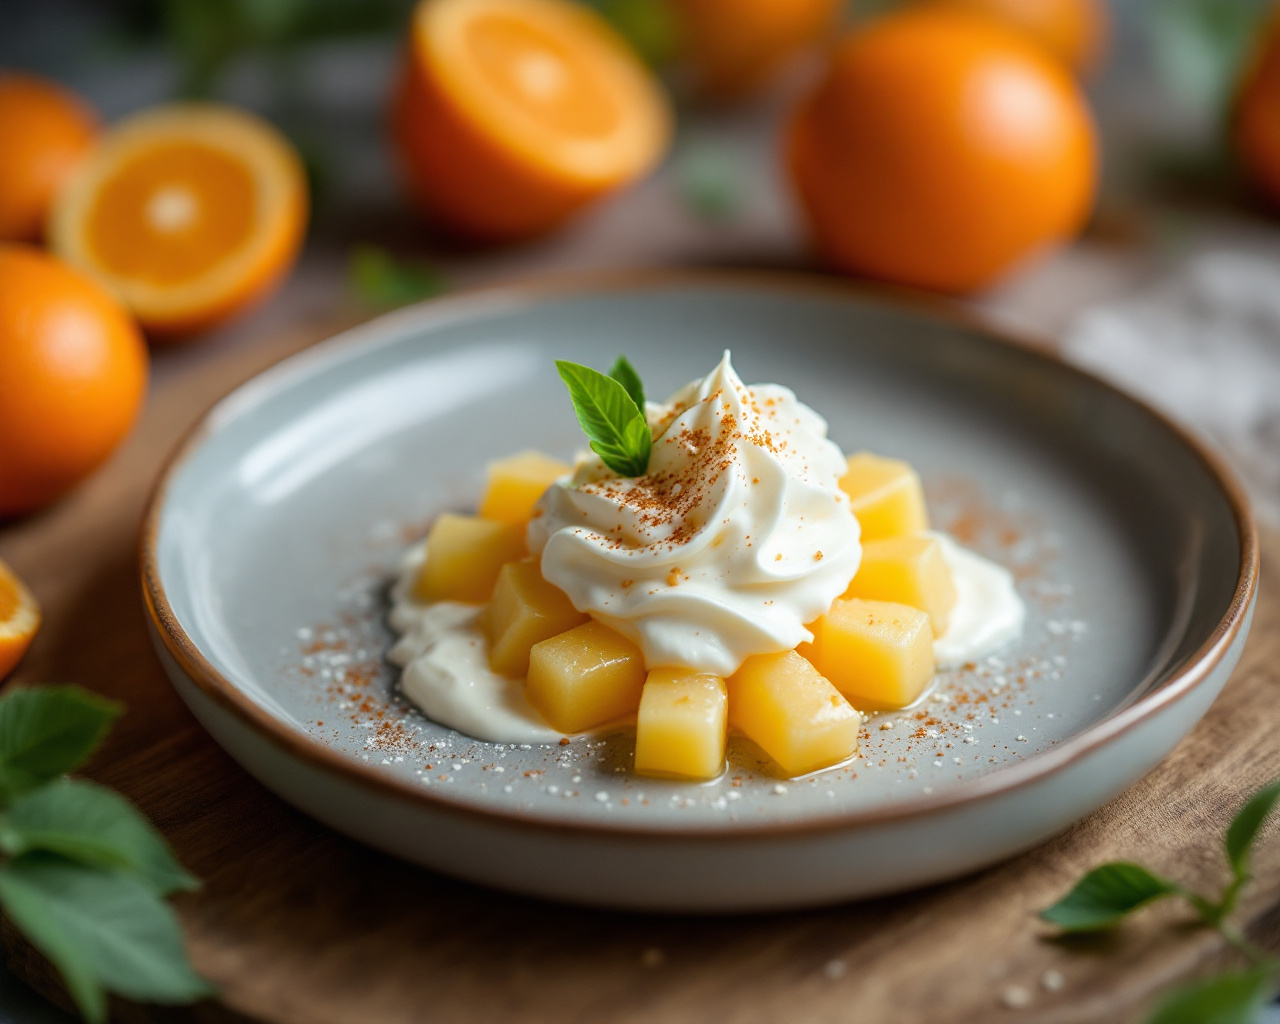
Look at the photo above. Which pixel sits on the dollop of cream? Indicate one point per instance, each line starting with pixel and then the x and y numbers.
pixel 445 662
pixel 988 612
pixel 736 537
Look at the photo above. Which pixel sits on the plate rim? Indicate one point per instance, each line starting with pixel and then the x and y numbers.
pixel 474 302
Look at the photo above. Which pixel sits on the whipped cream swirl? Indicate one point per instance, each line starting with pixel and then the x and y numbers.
pixel 736 537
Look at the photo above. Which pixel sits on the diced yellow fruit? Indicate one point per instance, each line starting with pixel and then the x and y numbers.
pixel 885 495
pixel 464 554
pixel 525 610
pixel 878 654
pixel 796 716
pixel 907 570
pixel 681 728
pixel 585 677
pixel 515 485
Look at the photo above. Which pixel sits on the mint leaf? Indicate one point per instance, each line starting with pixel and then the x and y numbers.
pixel 1231 998
pixel 610 418
pixel 625 374
pixel 104 931
pixel 1244 827
pixel 1105 895
pixel 379 279
pixel 87 823
pixel 45 732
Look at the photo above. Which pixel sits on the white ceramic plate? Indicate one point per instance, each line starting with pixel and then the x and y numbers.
pixel 275 531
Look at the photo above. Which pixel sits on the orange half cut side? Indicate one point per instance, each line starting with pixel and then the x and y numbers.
pixel 189 212
pixel 19 620
pixel 513 114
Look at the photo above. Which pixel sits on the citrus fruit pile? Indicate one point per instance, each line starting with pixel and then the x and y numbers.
pixel 188 213
pixel 943 145
pixel 167 223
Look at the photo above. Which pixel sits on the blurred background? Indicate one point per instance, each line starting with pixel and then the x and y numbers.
pixel 1160 82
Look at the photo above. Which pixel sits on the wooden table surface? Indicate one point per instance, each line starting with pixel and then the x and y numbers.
pixel 298 925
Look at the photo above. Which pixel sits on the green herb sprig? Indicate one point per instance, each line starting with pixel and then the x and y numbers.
pixel 84 874
pixel 378 279
pixel 1108 894
pixel 610 410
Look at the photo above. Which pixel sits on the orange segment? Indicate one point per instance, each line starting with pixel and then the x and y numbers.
pixel 514 114
pixel 189 212
pixel 19 620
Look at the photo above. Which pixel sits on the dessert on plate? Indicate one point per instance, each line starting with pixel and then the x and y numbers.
pixel 714 562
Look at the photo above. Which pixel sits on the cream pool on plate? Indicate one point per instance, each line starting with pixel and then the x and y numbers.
pixel 713 563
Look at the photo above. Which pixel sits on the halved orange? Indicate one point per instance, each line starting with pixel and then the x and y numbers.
pixel 189 212
pixel 19 620
pixel 512 115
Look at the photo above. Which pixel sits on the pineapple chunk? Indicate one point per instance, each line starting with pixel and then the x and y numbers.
pixel 878 654
pixel 585 677
pixel 464 554
pixel 797 717
pixel 885 495
pixel 907 570
pixel 515 485
pixel 525 610
pixel 681 728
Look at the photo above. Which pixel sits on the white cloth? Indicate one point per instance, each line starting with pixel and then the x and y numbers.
pixel 1204 346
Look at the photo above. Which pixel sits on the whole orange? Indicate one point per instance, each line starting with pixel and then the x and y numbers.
pixel 940 149
pixel 1256 127
pixel 73 373
pixel 1075 30
pixel 44 132
pixel 734 46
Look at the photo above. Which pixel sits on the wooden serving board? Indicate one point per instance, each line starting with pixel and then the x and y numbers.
pixel 298 925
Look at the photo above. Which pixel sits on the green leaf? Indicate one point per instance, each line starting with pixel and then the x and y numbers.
pixel 104 931
pixel 48 731
pixel 1105 895
pixel 610 418
pixel 625 374
pixel 1231 998
pixel 1199 48
pixel 1244 827
pixel 379 279
pixel 93 825
pixel 709 179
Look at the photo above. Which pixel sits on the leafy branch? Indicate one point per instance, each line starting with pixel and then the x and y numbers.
pixel 1110 893
pixel 84 874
